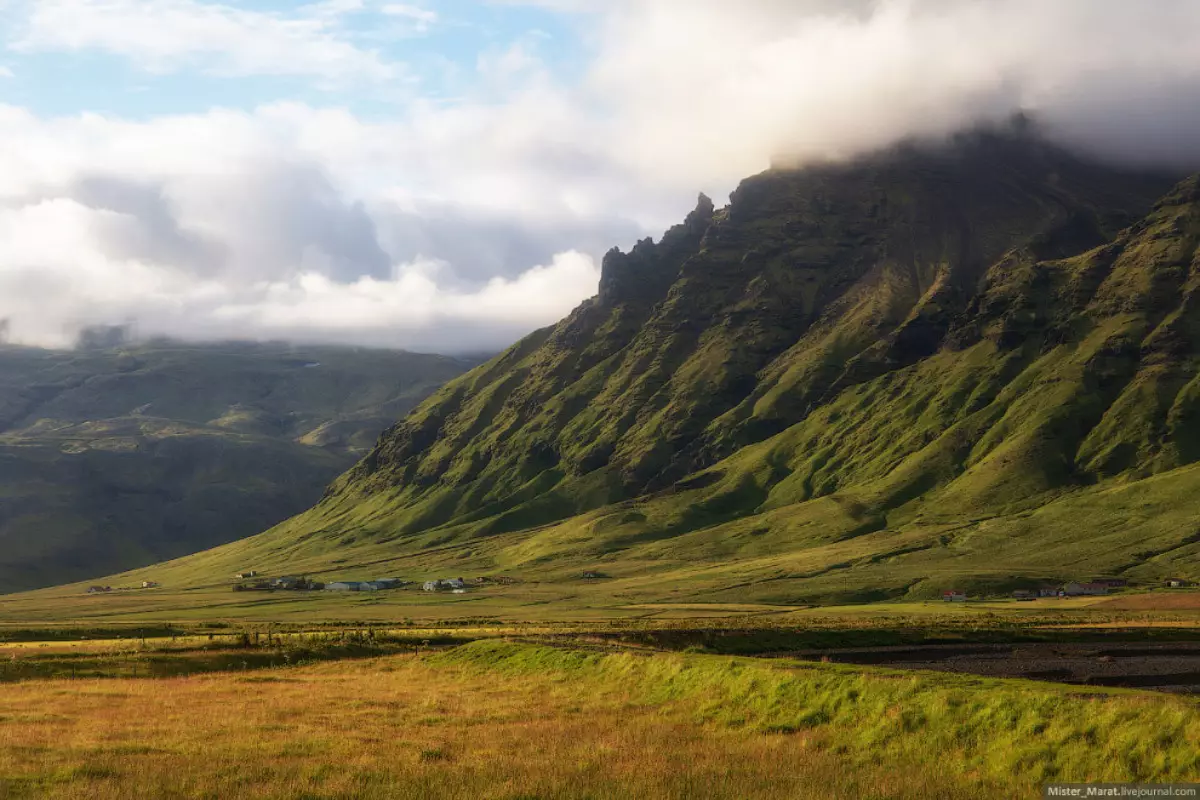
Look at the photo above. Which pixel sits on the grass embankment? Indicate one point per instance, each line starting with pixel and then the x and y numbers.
pixel 965 727
pixel 496 719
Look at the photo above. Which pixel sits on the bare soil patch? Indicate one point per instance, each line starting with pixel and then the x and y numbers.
pixel 1154 601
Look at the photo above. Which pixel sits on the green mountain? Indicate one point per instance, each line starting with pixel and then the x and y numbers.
pixel 120 457
pixel 972 365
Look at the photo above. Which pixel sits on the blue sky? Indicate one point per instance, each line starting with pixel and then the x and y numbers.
pixel 433 51
pixel 446 175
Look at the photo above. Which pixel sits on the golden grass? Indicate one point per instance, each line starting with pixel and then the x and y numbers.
pixel 403 728
pixel 497 719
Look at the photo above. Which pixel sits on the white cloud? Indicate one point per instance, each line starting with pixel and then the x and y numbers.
pixel 5 72
pixel 711 88
pixel 413 308
pixel 171 35
pixel 60 273
pixel 422 16
pixel 295 222
pixel 427 229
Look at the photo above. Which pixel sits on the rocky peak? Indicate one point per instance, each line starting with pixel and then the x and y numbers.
pixel 702 216
pixel 646 272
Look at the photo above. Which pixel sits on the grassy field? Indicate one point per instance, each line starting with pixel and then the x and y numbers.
pixel 188 596
pixel 504 719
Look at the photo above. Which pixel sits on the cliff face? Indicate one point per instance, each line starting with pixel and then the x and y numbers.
pixel 739 323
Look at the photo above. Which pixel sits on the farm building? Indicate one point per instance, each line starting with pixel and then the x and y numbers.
pixel 150 584
pixel 388 583
pixel 954 596
pixel 452 584
pixel 1025 594
pixel 250 573
pixel 1113 583
pixel 1084 589
pixel 381 584
pixel 1178 583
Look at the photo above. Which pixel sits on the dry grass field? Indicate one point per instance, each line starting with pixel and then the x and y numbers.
pixel 496 719
pixel 394 728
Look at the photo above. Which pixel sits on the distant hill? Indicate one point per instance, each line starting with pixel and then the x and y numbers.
pixel 115 458
pixel 975 366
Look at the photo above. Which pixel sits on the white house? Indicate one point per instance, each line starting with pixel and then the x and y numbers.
pixel 343 586
pixel 954 596
pixel 453 584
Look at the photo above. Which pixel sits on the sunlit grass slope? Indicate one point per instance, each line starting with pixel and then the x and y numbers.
pixel 817 551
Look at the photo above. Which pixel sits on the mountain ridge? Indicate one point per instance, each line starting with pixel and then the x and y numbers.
pixel 973 367
pixel 757 326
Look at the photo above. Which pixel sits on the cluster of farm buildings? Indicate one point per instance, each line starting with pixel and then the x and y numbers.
pixel 292 583
pixel 107 589
pixel 1074 589
pixel 460 586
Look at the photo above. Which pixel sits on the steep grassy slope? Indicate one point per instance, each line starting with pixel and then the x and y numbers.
pixel 739 323
pixel 113 459
pixel 921 370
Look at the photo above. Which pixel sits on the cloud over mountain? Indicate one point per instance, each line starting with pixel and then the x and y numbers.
pixel 701 85
pixel 459 221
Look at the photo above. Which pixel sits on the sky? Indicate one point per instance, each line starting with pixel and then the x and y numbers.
pixel 445 175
